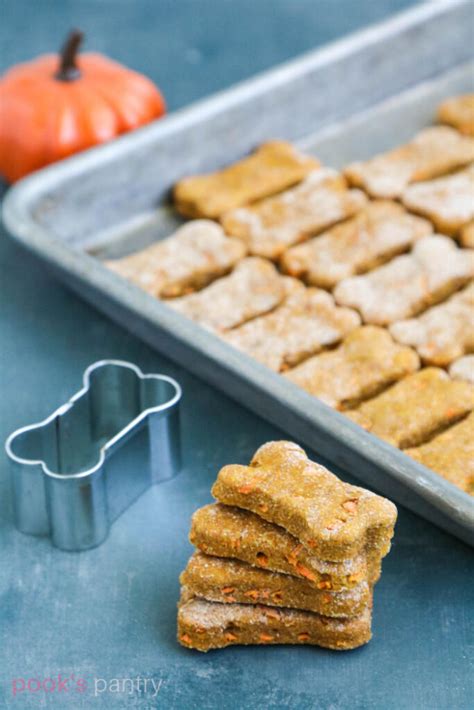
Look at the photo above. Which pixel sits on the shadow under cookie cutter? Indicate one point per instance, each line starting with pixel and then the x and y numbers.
pixel 75 472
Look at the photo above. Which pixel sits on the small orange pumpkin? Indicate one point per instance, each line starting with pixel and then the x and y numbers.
pixel 50 109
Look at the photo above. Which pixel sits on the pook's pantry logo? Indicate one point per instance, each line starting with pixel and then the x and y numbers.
pixel 71 685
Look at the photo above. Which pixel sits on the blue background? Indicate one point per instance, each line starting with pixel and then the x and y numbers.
pixel 110 613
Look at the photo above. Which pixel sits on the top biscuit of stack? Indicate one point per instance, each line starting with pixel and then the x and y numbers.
pixel 333 519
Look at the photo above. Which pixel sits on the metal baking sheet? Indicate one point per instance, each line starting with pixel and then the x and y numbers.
pixel 346 101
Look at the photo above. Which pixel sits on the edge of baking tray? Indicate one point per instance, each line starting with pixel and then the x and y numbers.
pixel 326 431
pixel 329 433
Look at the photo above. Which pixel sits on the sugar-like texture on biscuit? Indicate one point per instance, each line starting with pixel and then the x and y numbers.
pixel 270 226
pixel 447 201
pixel 458 111
pixel 433 152
pixel 303 325
pixel 273 167
pixel 451 454
pixel 228 581
pixel 442 333
pixel 333 519
pixel 366 362
pixel 204 625
pixel 416 409
pixel 188 260
pixel 380 231
pixel 253 288
pixel 408 284
pixel 463 369
pixel 226 531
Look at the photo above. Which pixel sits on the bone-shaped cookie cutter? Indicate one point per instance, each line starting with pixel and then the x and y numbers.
pixel 75 472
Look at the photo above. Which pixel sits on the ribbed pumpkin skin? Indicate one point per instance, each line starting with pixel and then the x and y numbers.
pixel 44 119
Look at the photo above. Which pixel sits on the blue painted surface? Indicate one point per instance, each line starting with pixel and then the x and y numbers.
pixel 110 613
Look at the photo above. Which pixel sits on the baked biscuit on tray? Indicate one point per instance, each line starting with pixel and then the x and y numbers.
pixel 380 231
pixel 415 409
pixel 270 226
pixel 451 454
pixel 442 333
pixel 273 167
pixel 448 201
pixel 304 324
pixel 463 369
pixel 366 362
pixel 433 152
pixel 458 111
pixel 204 625
pixel 408 284
pixel 229 581
pixel 332 519
pixel 226 531
pixel 189 259
pixel 253 288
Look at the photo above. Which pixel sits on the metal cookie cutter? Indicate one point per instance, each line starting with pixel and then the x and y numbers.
pixel 75 472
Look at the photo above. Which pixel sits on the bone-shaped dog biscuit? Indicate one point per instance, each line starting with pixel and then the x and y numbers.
pixel 231 581
pixel 433 152
pixel 367 361
pixel 189 259
pixel 417 408
pixel 451 454
pixel 448 201
pixel 380 231
pixel 253 288
pixel 273 167
pixel 303 325
pixel 442 333
pixel 404 287
pixel 204 625
pixel 272 225
pixel 226 531
pixel 331 518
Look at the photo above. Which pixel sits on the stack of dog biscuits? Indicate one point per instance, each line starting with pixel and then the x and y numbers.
pixel 288 554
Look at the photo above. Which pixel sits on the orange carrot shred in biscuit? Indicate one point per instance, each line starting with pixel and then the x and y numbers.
pixel 305 572
pixel 262 559
pixel 252 593
pixel 325 584
pixel 451 412
pixel 246 489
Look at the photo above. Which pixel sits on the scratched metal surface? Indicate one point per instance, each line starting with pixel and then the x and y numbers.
pixel 110 613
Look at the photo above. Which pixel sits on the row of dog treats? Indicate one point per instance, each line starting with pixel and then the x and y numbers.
pixel 339 281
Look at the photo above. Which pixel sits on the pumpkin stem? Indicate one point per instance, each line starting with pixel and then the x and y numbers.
pixel 68 69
